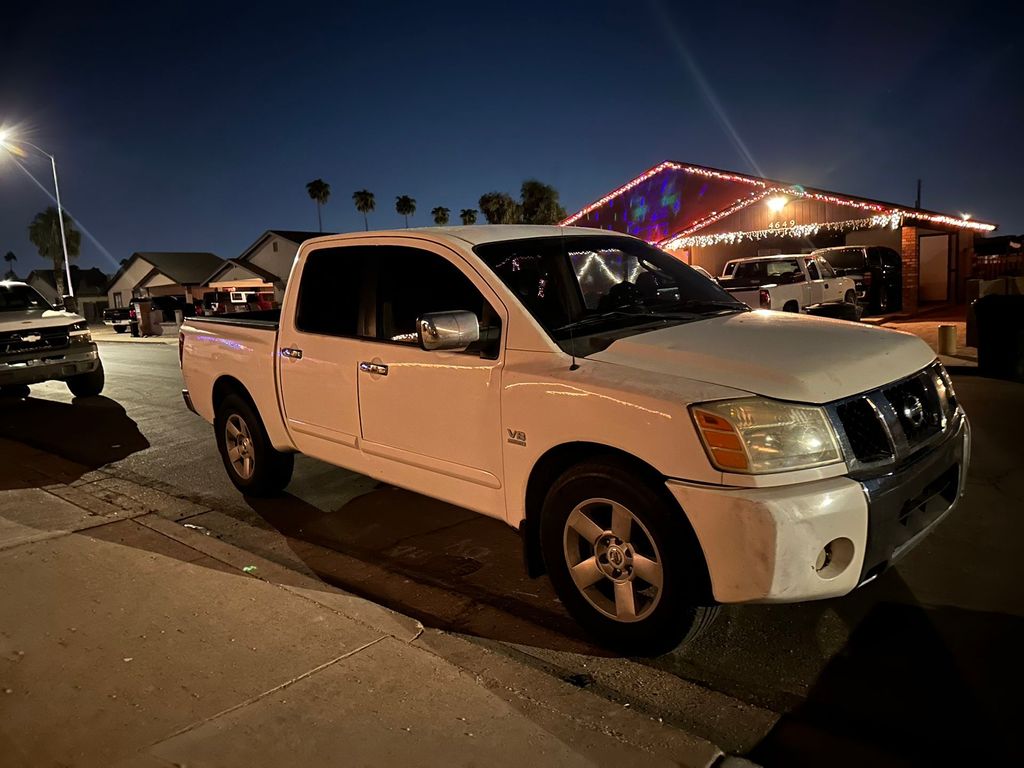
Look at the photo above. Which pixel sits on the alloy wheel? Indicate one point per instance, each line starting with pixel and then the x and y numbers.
pixel 613 560
pixel 239 444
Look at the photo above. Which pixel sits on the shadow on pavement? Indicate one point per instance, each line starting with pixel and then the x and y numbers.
pixel 445 566
pixel 913 686
pixel 91 432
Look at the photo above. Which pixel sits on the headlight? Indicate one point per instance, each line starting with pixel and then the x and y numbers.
pixel 757 436
pixel 79 333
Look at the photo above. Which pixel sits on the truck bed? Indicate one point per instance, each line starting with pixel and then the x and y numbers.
pixel 264 318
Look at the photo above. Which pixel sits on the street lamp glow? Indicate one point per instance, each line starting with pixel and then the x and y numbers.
pixel 776 204
pixel 9 143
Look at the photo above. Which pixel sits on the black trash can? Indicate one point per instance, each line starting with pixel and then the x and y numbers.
pixel 1000 323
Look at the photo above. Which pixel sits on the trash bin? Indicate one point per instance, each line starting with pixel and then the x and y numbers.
pixel 1000 322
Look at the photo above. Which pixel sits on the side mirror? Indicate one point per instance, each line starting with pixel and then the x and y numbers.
pixel 452 331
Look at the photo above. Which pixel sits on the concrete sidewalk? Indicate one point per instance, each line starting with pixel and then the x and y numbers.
pixel 128 638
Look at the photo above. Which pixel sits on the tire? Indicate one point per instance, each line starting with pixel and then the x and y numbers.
pixel 577 518
pixel 120 329
pixel 791 306
pixel 257 469
pixel 87 384
pixel 15 390
pixel 850 297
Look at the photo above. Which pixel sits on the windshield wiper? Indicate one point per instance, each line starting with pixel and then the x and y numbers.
pixel 591 319
pixel 734 306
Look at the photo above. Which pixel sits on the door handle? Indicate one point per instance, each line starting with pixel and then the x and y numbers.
pixel 294 354
pixel 378 368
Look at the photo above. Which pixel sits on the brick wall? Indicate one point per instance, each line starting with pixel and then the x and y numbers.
pixel 911 263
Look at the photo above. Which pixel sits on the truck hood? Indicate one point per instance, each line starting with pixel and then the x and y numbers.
pixel 30 319
pixel 776 354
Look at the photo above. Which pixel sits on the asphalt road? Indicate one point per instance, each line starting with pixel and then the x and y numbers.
pixel 920 666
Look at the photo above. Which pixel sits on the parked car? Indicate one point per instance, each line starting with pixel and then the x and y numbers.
pixel 661 448
pixel 877 273
pixel 40 343
pixel 118 318
pixel 792 283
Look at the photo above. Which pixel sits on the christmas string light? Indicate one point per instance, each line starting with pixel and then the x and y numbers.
pixel 791 191
pixel 890 220
pixel 716 216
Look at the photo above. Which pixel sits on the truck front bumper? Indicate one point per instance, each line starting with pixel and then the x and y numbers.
pixel 824 538
pixel 33 368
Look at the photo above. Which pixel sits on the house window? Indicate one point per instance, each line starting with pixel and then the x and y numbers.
pixel 274 245
pixel 118 301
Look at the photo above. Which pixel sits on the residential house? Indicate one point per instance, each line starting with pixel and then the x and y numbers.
pixel 150 273
pixel 707 216
pixel 90 289
pixel 263 267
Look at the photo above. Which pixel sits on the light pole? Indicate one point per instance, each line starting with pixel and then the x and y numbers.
pixel 6 140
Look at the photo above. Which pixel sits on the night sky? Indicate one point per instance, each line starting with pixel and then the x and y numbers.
pixel 198 129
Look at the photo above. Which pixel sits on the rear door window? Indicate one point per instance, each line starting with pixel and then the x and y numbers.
pixel 847 258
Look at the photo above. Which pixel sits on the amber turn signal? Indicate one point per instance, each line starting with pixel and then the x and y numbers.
pixel 721 441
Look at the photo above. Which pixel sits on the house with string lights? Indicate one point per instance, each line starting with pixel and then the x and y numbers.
pixel 708 216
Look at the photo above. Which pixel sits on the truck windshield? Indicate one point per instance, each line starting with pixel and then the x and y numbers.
pixel 15 298
pixel 581 286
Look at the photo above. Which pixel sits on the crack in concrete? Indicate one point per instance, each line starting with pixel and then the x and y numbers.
pixel 260 696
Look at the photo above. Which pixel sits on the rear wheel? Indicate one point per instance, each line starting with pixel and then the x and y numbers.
pixel 120 328
pixel 252 463
pixel 791 306
pixel 87 384
pixel 623 560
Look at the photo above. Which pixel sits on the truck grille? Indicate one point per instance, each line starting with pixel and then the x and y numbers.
pixel 43 340
pixel 893 423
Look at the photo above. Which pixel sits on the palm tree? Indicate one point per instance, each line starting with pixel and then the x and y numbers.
pixel 500 208
pixel 405 206
pixel 44 232
pixel 319 192
pixel 10 258
pixel 468 216
pixel 365 203
pixel 440 215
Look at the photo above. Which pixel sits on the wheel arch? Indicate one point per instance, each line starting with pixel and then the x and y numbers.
pixel 548 468
pixel 228 385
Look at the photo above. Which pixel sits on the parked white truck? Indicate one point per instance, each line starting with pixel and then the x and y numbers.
pixel 661 447
pixel 792 283
pixel 40 343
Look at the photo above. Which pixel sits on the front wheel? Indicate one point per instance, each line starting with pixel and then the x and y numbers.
pixel 623 560
pixel 252 463
pixel 850 297
pixel 87 384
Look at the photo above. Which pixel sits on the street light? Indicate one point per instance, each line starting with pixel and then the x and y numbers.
pixel 9 143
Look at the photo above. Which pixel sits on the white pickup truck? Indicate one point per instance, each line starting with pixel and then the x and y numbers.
pixel 40 343
pixel 661 447
pixel 792 283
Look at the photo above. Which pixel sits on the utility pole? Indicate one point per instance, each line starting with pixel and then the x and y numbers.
pixel 917 200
